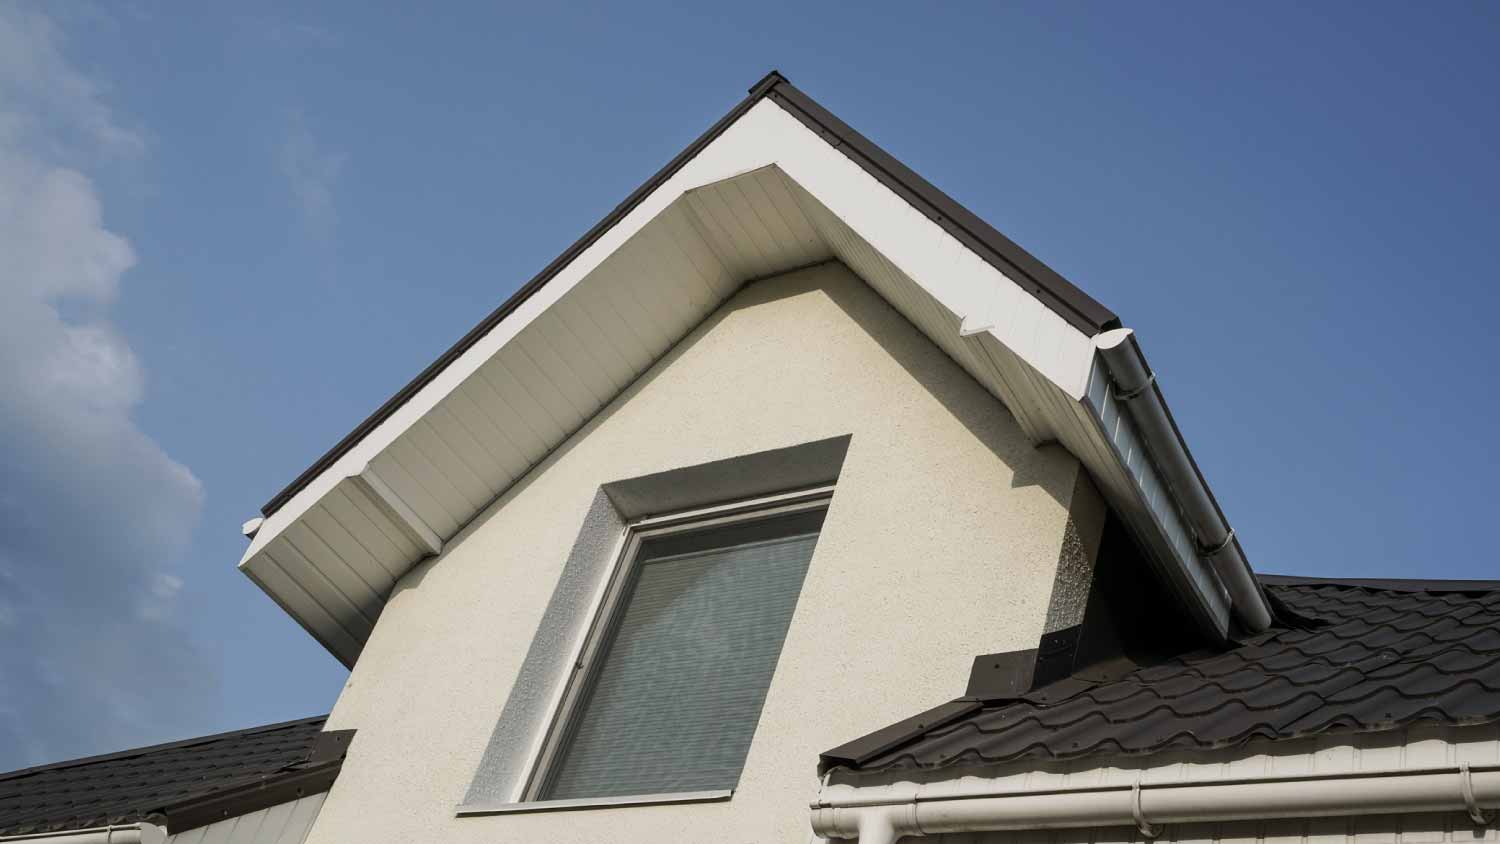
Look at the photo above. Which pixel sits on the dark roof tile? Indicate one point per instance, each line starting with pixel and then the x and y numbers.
pixel 1389 654
pixel 127 787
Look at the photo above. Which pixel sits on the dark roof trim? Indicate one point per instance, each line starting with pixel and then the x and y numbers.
pixel 857 752
pixel 999 251
pixel 153 748
pixel 1054 291
pixel 263 793
pixel 521 295
pixel 1396 584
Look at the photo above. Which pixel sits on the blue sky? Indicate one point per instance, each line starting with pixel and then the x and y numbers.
pixel 229 232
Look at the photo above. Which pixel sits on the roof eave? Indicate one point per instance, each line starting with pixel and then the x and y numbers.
pixel 987 293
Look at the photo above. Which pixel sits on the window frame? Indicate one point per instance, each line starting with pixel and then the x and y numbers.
pixel 605 614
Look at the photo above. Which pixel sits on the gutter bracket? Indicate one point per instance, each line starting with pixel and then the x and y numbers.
pixel 1479 816
pixel 1145 827
pixel 1205 551
pixel 1130 394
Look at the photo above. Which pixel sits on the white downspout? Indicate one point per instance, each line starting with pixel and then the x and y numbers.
pixel 135 833
pixel 884 815
pixel 1135 388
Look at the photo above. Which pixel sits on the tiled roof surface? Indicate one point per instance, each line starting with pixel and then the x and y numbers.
pixel 1390 654
pixel 128 786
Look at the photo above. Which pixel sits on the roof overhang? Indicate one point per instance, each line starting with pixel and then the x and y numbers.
pixel 779 183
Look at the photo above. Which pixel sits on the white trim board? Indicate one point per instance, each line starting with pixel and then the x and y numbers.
pixel 764 197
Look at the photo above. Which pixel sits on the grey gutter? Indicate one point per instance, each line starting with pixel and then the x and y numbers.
pixel 882 815
pixel 1136 388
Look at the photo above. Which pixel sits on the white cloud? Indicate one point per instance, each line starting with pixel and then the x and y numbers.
pixel 311 172
pixel 92 511
pixel 42 94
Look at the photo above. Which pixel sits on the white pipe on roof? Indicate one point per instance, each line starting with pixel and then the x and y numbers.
pixel 882 815
pixel 134 833
pixel 1136 388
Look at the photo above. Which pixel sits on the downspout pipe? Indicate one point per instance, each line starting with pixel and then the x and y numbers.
pixel 962 808
pixel 1136 388
pixel 134 833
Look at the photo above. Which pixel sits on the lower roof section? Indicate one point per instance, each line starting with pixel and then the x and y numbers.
pixel 1414 785
pixel 1379 658
pixel 180 785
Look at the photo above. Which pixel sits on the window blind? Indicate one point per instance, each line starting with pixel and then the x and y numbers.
pixel 674 700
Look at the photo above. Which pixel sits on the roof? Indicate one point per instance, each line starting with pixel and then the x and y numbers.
pixel 1383 655
pixel 1041 281
pixel 181 784
pixel 778 185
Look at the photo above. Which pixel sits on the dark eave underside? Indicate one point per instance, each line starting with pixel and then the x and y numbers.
pixel 1056 292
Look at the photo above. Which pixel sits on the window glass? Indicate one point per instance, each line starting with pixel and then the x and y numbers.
pixel 673 699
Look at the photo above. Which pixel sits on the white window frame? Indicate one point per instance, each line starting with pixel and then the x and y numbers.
pixel 604 612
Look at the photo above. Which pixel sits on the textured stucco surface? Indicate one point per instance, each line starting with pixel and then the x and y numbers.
pixel 1080 548
pixel 942 541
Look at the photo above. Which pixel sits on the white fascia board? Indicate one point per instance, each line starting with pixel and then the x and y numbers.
pixel 1415 769
pixel 133 833
pixel 889 813
pixel 765 135
pixel 983 299
pixel 721 159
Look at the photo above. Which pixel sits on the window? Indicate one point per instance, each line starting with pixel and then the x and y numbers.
pixel 668 689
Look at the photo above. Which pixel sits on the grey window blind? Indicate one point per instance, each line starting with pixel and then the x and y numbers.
pixel 675 697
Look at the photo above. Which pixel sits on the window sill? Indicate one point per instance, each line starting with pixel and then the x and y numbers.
pixel 475 809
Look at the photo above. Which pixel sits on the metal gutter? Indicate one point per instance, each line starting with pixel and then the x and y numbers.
pixel 1136 388
pixel 1072 304
pixel 881 815
pixel 135 833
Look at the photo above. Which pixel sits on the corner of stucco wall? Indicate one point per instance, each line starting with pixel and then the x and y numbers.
pixel 1082 533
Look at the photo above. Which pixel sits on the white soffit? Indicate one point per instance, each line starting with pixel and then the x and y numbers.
pixel 766 196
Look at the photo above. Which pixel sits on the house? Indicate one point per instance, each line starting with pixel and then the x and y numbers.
pixel 793 499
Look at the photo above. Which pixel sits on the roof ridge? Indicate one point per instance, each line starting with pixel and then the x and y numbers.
pixel 157 748
pixel 1040 281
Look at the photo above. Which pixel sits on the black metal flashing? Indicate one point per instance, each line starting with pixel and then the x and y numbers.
pixel 1056 292
pixel 268 791
pixel 865 748
pixel 1001 676
pixel 330 746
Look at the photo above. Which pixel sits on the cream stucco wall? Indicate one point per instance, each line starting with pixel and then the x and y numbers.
pixel 942 541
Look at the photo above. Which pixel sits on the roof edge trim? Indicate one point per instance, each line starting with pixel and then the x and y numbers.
pixel 166 745
pixel 757 92
pixel 252 796
pixel 1390 584
pixel 1054 291
pixel 1064 298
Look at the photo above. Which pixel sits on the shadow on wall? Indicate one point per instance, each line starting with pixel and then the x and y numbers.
pixel 986 418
